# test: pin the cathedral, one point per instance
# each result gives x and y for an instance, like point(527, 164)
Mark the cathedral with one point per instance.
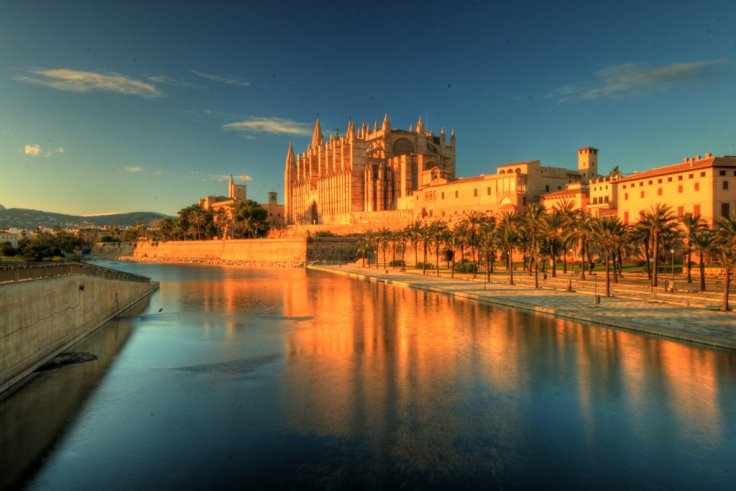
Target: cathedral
point(365, 170)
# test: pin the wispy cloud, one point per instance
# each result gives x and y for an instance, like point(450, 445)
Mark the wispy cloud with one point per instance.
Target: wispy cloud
point(35, 150)
point(274, 126)
point(133, 169)
point(636, 79)
point(82, 81)
point(223, 79)
point(166, 80)
point(226, 177)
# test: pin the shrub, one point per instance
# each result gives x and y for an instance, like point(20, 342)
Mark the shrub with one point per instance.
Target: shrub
point(424, 266)
point(397, 263)
point(466, 267)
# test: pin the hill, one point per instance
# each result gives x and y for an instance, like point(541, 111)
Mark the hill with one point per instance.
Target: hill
point(29, 219)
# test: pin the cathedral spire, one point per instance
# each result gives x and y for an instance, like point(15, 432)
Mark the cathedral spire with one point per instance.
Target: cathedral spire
point(317, 137)
point(290, 160)
point(420, 126)
point(386, 123)
point(350, 131)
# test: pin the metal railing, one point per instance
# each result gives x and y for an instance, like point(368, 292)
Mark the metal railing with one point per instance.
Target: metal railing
point(25, 272)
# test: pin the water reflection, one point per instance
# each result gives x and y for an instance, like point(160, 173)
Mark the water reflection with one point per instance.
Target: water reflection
point(306, 380)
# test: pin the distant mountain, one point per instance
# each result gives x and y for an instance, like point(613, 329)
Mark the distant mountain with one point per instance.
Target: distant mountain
point(2, 207)
point(30, 219)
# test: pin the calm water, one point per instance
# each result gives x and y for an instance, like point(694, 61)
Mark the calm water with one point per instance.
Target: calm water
point(287, 379)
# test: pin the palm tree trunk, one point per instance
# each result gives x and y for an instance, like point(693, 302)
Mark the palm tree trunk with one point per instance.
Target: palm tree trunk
point(726, 286)
point(655, 263)
point(582, 259)
point(554, 262)
point(689, 264)
point(510, 265)
point(702, 272)
point(536, 273)
point(608, 273)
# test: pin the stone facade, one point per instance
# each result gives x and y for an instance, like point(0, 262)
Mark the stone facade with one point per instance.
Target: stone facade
point(365, 170)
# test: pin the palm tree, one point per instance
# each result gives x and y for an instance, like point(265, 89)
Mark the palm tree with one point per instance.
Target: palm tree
point(487, 243)
point(437, 232)
point(414, 236)
point(609, 233)
point(658, 219)
point(553, 227)
point(472, 224)
point(703, 243)
point(383, 238)
point(583, 232)
point(425, 235)
point(508, 238)
point(452, 241)
point(726, 247)
point(692, 224)
point(567, 210)
point(533, 220)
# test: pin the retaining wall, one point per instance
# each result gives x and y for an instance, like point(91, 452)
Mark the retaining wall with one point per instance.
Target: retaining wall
point(43, 317)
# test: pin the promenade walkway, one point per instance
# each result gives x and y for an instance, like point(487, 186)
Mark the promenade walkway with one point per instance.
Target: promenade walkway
point(683, 316)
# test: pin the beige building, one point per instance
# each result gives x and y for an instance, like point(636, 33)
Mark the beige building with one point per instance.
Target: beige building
point(701, 186)
point(238, 192)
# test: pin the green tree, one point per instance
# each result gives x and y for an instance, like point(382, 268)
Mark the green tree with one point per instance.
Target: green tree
point(251, 219)
point(658, 220)
point(703, 242)
point(726, 248)
point(691, 224)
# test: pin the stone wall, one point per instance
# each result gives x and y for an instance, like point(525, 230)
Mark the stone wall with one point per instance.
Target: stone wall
point(332, 249)
point(40, 318)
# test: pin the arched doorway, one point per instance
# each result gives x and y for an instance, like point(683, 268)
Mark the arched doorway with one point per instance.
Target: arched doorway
point(313, 217)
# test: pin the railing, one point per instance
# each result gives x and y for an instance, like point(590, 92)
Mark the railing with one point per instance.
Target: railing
point(15, 273)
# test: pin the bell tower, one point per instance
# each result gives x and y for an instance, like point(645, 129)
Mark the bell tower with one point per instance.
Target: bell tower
point(588, 163)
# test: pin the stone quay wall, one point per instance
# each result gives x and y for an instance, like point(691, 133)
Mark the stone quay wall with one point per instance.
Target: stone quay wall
point(40, 318)
point(293, 252)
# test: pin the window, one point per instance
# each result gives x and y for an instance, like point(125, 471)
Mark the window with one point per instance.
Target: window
point(488, 191)
point(696, 210)
point(690, 176)
point(624, 186)
point(725, 185)
point(659, 191)
point(659, 181)
point(702, 174)
point(626, 196)
point(546, 188)
point(641, 193)
point(679, 188)
point(725, 209)
point(680, 210)
point(650, 182)
point(475, 192)
point(456, 194)
point(697, 186)
point(626, 218)
point(669, 179)
point(721, 172)
point(606, 199)
point(442, 195)
point(641, 183)
point(679, 178)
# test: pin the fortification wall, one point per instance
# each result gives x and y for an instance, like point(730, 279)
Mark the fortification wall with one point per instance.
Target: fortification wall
point(255, 252)
point(40, 318)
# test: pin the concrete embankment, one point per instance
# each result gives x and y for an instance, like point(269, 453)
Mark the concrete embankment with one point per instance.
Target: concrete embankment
point(44, 312)
point(291, 252)
point(673, 321)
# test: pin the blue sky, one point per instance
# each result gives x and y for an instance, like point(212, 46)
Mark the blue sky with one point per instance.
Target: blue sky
point(146, 106)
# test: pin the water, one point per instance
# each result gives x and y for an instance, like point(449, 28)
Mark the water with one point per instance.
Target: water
point(288, 379)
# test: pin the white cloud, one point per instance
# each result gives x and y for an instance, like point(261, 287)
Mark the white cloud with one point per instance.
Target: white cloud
point(35, 150)
point(244, 177)
point(133, 169)
point(81, 81)
point(275, 126)
point(223, 79)
point(636, 79)
point(164, 79)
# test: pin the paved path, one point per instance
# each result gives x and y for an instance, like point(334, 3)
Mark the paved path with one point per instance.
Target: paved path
point(700, 324)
